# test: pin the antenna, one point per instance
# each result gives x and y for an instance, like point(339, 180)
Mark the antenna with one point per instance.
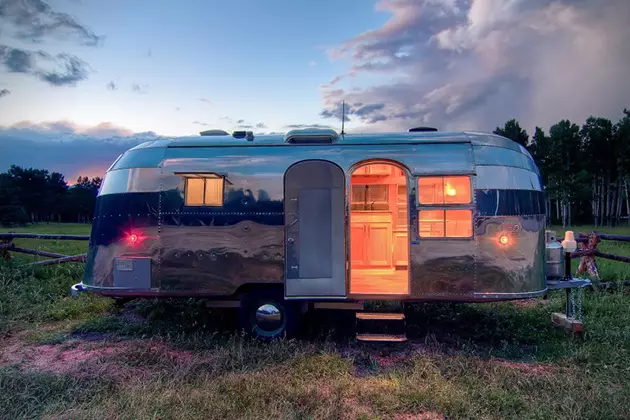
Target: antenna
point(343, 116)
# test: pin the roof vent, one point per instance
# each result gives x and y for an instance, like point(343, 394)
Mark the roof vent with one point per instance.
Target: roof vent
point(311, 136)
point(422, 129)
point(214, 133)
point(247, 135)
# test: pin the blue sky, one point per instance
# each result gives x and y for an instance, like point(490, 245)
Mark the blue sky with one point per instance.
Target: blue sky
point(118, 72)
point(253, 60)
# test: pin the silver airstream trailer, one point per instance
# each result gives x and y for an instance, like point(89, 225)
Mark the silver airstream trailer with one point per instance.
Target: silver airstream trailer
point(281, 224)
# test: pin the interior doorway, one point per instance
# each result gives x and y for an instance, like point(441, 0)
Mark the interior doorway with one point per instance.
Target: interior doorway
point(379, 230)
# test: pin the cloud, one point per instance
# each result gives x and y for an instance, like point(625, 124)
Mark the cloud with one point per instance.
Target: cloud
point(475, 64)
point(307, 126)
point(205, 101)
point(244, 126)
point(4, 92)
point(66, 147)
point(177, 108)
point(261, 125)
point(201, 123)
point(16, 61)
point(111, 86)
point(33, 20)
point(58, 70)
point(135, 87)
point(240, 121)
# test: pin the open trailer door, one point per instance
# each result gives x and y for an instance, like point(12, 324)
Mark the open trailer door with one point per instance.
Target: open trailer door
point(314, 208)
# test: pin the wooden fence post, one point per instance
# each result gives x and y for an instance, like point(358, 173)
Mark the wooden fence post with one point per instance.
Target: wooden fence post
point(587, 262)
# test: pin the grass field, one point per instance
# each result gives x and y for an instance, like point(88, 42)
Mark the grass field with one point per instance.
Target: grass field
point(84, 358)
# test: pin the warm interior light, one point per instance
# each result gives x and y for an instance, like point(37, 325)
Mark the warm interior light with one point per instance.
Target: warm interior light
point(450, 191)
point(504, 240)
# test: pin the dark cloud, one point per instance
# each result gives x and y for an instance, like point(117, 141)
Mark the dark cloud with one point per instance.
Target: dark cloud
point(261, 125)
point(307, 126)
point(240, 121)
point(34, 20)
point(4, 92)
point(473, 64)
point(135, 87)
point(15, 60)
point(112, 86)
point(59, 70)
point(73, 70)
point(65, 147)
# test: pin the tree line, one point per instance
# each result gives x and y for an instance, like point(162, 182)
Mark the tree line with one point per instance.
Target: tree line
point(36, 195)
point(585, 169)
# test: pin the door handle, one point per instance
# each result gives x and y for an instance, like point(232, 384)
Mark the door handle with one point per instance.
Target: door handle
point(290, 240)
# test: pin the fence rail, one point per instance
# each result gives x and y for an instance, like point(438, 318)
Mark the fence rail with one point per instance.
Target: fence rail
point(6, 245)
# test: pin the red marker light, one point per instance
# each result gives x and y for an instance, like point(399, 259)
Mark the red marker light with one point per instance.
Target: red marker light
point(133, 238)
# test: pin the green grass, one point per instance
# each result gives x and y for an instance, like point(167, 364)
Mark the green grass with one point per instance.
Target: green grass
point(86, 358)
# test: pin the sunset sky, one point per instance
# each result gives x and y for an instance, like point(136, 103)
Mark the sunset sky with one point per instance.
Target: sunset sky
point(80, 80)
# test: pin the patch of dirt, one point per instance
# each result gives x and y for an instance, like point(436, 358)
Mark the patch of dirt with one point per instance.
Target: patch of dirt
point(528, 368)
point(530, 303)
point(116, 360)
point(425, 415)
point(355, 409)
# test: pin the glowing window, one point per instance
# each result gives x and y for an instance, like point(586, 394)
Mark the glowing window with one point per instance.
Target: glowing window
point(444, 190)
point(445, 223)
point(458, 223)
point(431, 223)
point(204, 190)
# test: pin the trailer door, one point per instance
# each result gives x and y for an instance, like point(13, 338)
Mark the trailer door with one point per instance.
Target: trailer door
point(314, 213)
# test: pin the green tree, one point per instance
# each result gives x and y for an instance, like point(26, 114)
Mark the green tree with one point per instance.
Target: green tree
point(513, 131)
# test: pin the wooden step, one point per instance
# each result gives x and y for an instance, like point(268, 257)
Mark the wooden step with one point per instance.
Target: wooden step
point(382, 338)
point(385, 316)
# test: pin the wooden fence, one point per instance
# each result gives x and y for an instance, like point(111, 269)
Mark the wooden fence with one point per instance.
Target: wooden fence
point(6, 245)
point(587, 251)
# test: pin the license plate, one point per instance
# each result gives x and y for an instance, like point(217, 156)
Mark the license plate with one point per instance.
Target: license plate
point(124, 265)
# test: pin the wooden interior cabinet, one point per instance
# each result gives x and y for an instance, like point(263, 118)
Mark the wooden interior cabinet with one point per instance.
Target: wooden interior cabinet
point(374, 169)
point(401, 249)
point(371, 242)
point(379, 169)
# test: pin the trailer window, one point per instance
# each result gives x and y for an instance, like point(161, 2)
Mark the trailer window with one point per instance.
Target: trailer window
point(204, 191)
point(436, 190)
point(445, 223)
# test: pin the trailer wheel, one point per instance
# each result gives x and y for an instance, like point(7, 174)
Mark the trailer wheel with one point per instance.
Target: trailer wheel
point(267, 316)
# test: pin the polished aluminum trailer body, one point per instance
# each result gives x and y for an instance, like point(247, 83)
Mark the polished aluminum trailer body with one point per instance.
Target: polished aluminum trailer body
point(146, 241)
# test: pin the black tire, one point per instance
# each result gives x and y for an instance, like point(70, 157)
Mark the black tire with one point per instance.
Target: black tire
point(289, 313)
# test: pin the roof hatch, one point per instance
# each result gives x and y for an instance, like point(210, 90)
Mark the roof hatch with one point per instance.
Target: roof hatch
point(311, 136)
point(214, 133)
point(422, 129)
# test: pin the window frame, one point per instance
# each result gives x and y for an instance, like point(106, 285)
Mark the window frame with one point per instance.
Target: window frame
point(444, 207)
point(205, 177)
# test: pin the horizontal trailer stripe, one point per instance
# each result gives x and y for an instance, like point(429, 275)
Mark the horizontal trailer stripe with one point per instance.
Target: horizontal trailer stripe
point(499, 202)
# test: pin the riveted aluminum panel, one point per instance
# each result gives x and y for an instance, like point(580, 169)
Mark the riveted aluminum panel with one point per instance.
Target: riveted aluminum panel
point(519, 266)
point(507, 178)
point(489, 155)
point(132, 273)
